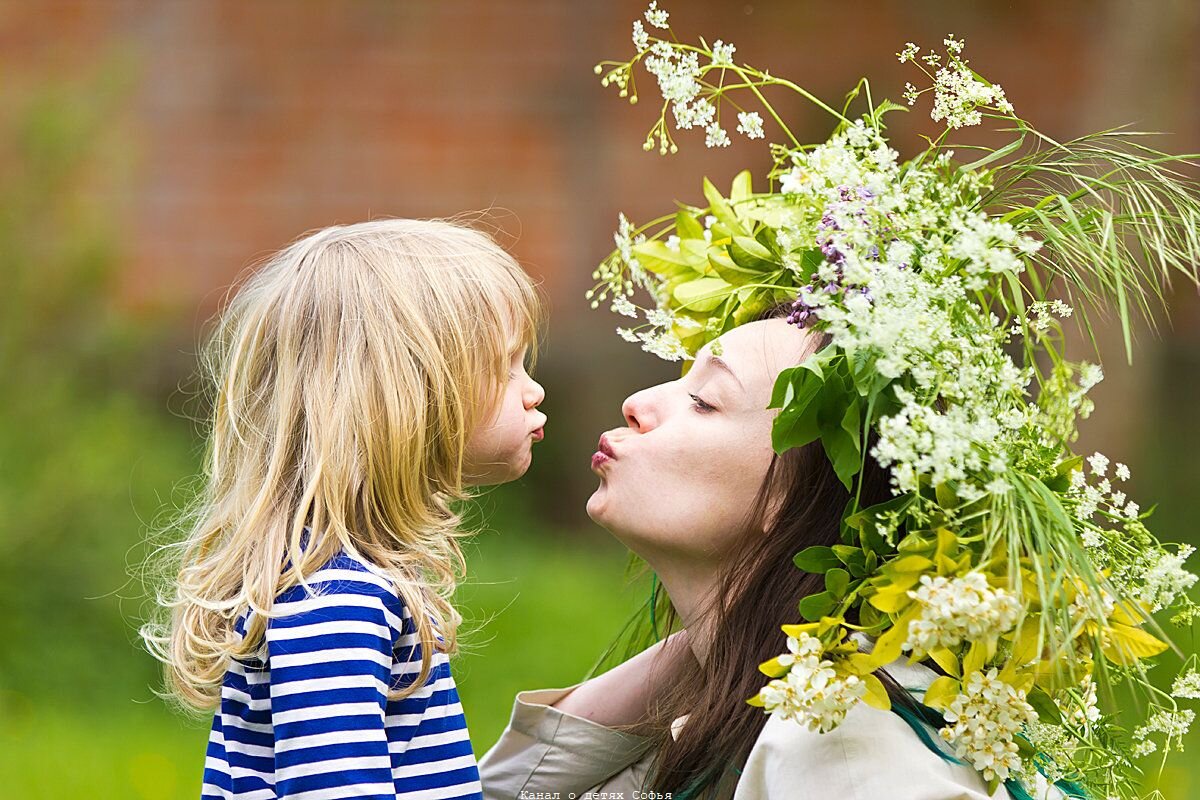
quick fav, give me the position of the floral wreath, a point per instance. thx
(1025, 574)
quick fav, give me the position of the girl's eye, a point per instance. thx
(700, 405)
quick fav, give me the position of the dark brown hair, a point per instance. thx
(759, 589)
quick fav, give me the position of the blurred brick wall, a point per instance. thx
(247, 123)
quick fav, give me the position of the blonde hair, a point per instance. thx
(349, 372)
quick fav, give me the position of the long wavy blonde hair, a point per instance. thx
(348, 373)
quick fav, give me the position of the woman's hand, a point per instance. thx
(621, 697)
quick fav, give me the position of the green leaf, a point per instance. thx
(721, 210)
(876, 695)
(730, 270)
(748, 254)
(816, 559)
(687, 226)
(702, 294)
(743, 187)
(836, 581)
(1047, 710)
(941, 693)
(817, 605)
(662, 260)
(773, 669)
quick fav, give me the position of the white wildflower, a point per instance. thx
(1165, 578)
(1098, 463)
(656, 16)
(673, 243)
(983, 720)
(1173, 725)
(722, 53)
(641, 39)
(715, 136)
(812, 693)
(622, 306)
(954, 610)
(958, 95)
(908, 53)
(1187, 685)
(750, 124)
(663, 344)
(1122, 472)
(627, 334)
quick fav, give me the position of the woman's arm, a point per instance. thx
(568, 741)
(621, 697)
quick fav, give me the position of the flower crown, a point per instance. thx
(1027, 576)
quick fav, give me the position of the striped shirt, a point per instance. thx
(309, 719)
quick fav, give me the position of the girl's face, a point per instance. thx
(679, 480)
(501, 449)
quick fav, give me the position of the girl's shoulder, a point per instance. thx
(346, 579)
(348, 573)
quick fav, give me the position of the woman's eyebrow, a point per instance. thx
(720, 364)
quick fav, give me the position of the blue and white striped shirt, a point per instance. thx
(310, 719)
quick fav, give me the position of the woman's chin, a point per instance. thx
(597, 504)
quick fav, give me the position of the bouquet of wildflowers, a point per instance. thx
(1022, 570)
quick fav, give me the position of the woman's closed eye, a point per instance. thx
(701, 406)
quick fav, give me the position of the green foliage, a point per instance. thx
(86, 457)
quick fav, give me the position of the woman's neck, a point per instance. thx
(691, 588)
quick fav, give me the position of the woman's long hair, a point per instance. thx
(758, 589)
(347, 374)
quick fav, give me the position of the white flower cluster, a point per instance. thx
(958, 95)
(1166, 579)
(750, 124)
(901, 257)
(656, 16)
(677, 72)
(1173, 725)
(1079, 706)
(1187, 685)
(812, 693)
(954, 610)
(983, 720)
(1055, 747)
(975, 236)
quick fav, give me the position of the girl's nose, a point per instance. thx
(534, 395)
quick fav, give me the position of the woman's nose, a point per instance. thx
(637, 411)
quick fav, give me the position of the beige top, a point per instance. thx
(872, 754)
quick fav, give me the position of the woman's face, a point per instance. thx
(680, 479)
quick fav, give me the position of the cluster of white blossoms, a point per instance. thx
(812, 693)
(1165, 579)
(1187, 685)
(901, 260)
(1172, 725)
(983, 720)
(1079, 706)
(954, 610)
(957, 93)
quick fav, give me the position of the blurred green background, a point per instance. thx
(151, 152)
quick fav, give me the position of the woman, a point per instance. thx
(691, 485)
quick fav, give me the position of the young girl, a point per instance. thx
(364, 378)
